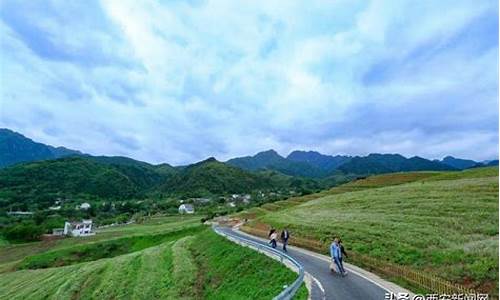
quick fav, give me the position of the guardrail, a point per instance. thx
(290, 290)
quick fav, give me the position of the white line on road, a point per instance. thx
(319, 285)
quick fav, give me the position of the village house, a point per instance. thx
(83, 228)
(85, 206)
(186, 209)
(201, 200)
(20, 213)
(57, 231)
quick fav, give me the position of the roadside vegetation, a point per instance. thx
(442, 223)
(157, 225)
(242, 274)
(173, 261)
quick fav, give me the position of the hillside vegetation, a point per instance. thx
(214, 177)
(42, 181)
(442, 223)
(181, 264)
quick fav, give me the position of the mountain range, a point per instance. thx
(16, 148)
(32, 170)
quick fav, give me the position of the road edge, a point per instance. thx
(391, 287)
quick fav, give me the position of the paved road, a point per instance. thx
(333, 286)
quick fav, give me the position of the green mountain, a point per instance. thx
(271, 160)
(389, 163)
(213, 177)
(327, 163)
(458, 163)
(492, 163)
(16, 148)
(41, 182)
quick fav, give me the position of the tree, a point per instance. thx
(23, 232)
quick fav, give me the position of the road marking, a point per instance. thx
(318, 283)
(319, 256)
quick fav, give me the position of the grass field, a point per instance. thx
(441, 223)
(172, 262)
(12, 252)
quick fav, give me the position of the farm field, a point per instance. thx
(442, 223)
(11, 252)
(183, 262)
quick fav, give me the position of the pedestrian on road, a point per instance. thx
(342, 255)
(336, 255)
(342, 250)
(273, 236)
(284, 238)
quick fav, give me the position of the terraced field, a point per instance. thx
(440, 223)
(187, 263)
(9, 253)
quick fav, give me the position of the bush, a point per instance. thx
(24, 232)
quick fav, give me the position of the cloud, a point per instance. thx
(179, 81)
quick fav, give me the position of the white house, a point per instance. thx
(58, 231)
(19, 213)
(186, 209)
(85, 206)
(83, 228)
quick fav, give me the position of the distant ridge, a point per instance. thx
(458, 163)
(16, 148)
(318, 160)
(316, 165)
(271, 160)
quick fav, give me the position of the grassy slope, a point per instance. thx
(357, 185)
(199, 265)
(98, 250)
(9, 253)
(229, 271)
(446, 223)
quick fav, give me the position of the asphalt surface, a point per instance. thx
(331, 286)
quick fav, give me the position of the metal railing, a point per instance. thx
(290, 290)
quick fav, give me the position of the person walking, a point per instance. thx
(285, 235)
(336, 255)
(273, 236)
(342, 254)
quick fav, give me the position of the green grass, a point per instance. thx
(9, 253)
(444, 223)
(114, 278)
(228, 271)
(98, 250)
(185, 269)
(182, 264)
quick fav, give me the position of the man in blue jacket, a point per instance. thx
(336, 255)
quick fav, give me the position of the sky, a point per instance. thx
(179, 81)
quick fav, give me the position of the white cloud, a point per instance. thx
(180, 81)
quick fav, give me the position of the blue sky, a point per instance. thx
(179, 81)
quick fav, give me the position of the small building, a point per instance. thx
(202, 200)
(186, 209)
(20, 213)
(231, 204)
(55, 207)
(57, 231)
(85, 206)
(83, 228)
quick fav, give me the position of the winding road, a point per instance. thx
(326, 285)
